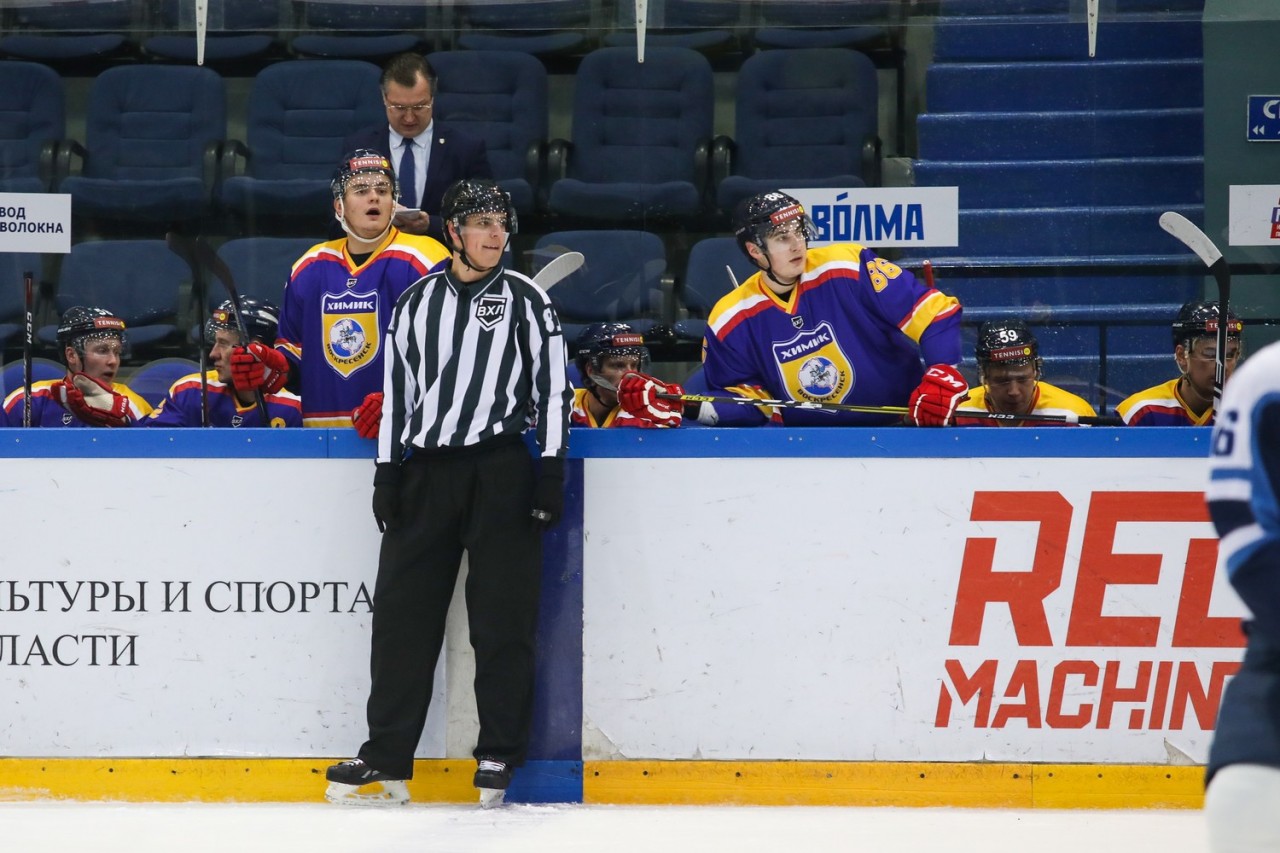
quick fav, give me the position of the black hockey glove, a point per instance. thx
(386, 495)
(548, 493)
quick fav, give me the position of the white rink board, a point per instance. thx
(803, 609)
(200, 683)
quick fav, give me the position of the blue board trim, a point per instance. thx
(747, 443)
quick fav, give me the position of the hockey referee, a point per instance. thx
(476, 357)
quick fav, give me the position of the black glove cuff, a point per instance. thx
(552, 467)
(386, 474)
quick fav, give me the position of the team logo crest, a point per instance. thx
(490, 310)
(350, 326)
(813, 366)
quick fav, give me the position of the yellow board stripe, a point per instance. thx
(976, 785)
(807, 783)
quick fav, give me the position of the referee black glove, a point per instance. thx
(548, 493)
(386, 495)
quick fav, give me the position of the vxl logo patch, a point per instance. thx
(490, 310)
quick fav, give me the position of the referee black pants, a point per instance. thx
(477, 500)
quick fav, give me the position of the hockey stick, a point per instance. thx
(183, 248)
(558, 268)
(28, 344)
(1197, 241)
(206, 255)
(1094, 420)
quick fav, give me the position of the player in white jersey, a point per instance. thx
(1243, 775)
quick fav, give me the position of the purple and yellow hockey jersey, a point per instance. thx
(334, 315)
(48, 412)
(853, 331)
(181, 407)
(580, 415)
(1161, 405)
(1049, 400)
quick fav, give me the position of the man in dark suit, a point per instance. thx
(441, 155)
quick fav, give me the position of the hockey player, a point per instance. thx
(229, 406)
(1243, 775)
(338, 301)
(1188, 399)
(606, 354)
(1009, 376)
(92, 342)
(832, 324)
(475, 357)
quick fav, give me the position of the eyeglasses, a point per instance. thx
(401, 109)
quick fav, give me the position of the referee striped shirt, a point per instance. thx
(471, 362)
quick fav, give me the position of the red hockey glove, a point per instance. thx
(638, 397)
(368, 415)
(258, 366)
(93, 401)
(934, 402)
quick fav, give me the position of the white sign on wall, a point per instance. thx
(884, 216)
(1053, 610)
(35, 222)
(159, 607)
(1254, 215)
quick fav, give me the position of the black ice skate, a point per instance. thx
(354, 783)
(492, 778)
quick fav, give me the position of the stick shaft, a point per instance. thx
(1098, 420)
(28, 343)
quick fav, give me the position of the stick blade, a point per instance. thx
(1190, 236)
(558, 268)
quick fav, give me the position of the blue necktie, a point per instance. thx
(408, 183)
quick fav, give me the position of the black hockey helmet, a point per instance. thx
(599, 340)
(470, 196)
(1199, 319)
(261, 319)
(79, 324)
(360, 162)
(1006, 342)
(757, 217)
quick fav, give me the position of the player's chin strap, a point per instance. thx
(341, 215)
(462, 253)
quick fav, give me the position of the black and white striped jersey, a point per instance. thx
(470, 362)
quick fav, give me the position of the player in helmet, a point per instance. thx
(1242, 490)
(229, 406)
(829, 324)
(476, 357)
(338, 301)
(1009, 375)
(610, 356)
(1188, 399)
(92, 341)
(438, 153)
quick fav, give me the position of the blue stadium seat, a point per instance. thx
(703, 25)
(821, 23)
(804, 118)
(641, 138)
(11, 376)
(137, 280)
(622, 278)
(152, 380)
(32, 125)
(372, 31)
(299, 113)
(706, 279)
(237, 30)
(70, 32)
(546, 28)
(259, 265)
(153, 135)
(499, 96)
